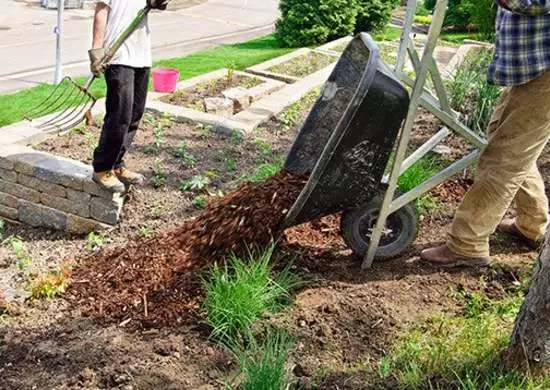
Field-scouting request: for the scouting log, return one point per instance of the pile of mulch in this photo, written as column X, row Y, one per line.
column 156, row 281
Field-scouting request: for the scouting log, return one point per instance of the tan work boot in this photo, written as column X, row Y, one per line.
column 444, row 257
column 509, row 226
column 128, row 177
column 108, row 181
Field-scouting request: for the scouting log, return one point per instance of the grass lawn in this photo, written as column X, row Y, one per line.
column 13, row 106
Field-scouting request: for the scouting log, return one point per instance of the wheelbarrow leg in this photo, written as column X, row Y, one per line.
column 418, row 89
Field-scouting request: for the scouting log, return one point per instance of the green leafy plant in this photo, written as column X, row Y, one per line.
column 157, row 209
column 262, row 361
column 374, row 15
column 200, row 201
column 145, row 231
column 264, row 148
column 427, row 205
column 423, row 19
column 94, row 241
column 2, row 226
column 243, row 290
column 158, row 132
column 159, row 174
column 196, row 183
column 189, row 160
column 205, row 129
column 237, row 137
column 231, row 164
column 307, row 23
column 17, row 248
column 51, row 285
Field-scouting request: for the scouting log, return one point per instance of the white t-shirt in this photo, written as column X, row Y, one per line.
column 136, row 51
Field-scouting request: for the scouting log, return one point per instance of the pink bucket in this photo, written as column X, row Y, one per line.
column 165, row 80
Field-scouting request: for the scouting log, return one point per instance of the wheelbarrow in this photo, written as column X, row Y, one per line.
column 344, row 146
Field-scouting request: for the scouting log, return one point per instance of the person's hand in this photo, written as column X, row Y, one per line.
column 157, row 4
column 96, row 61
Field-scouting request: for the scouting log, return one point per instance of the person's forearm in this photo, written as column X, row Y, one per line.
column 526, row 7
column 100, row 25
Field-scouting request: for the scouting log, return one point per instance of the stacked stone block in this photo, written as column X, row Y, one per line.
column 40, row 189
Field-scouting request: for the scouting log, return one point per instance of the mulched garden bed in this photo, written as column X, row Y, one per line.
column 343, row 319
column 193, row 97
column 304, row 65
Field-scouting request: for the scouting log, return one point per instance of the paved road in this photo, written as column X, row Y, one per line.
column 27, row 42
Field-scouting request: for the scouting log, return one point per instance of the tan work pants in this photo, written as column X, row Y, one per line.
column 507, row 170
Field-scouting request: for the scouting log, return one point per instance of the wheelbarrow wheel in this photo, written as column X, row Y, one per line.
column 401, row 229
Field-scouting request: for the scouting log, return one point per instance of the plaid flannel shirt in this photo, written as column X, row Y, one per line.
column 523, row 42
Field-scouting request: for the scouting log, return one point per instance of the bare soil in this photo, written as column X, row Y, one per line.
column 345, row 318
column 304, row 65
column 193, row 97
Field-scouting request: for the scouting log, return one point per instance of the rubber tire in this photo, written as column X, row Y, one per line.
column 406, row 217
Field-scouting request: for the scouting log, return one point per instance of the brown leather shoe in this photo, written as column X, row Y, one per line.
column 129, row 177
column 444, row 257
column 108, row 181
column 509, row 226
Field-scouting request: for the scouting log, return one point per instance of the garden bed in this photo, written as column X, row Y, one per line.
column 345, row 322
column 295, row 66
column 195, row 97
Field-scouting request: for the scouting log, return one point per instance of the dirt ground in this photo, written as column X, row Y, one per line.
column 344, row 319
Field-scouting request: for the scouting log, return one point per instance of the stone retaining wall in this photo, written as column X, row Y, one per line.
column 41, row 189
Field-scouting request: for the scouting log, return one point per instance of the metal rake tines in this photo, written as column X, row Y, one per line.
column 69, row 102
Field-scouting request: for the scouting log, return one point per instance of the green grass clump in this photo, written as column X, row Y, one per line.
column 262, row 362
column 419, row 172
column 14, row 106
column 460, row 352
column 263, row 172
column 242, row 291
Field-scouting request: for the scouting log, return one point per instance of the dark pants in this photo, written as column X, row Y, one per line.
column 126, row 97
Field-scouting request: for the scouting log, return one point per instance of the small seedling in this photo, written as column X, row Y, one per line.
column 182, row 152
column 262, row 172
column 231, row 67
column 237, row 137
column 157, row 135
column 159, row 174
column 200, row 201
column 145, row 231
column 51, row 285
column 231, row 164
column 94, row 241
column 205, row 129
column 2, row 226
column 427, row 205
column 157, row 209
column 289, row 118
column 17, row 248
column 196, row 183
column 264, row 147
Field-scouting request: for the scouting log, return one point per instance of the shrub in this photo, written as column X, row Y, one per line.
column 314, row 22
column 430, row 4
column 482, row 14
column 374, row 15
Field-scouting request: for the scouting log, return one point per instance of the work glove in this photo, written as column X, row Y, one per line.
column 97, row 65
column 157, row 4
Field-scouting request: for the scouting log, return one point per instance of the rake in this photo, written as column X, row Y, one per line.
column 71, row 103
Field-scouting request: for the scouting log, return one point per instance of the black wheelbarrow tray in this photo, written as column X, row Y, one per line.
column 344, row 146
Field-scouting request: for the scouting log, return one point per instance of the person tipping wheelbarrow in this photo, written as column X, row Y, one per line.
column 518, row 132
column 127, row 78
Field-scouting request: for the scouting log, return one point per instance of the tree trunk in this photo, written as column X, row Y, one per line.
column 530, row 344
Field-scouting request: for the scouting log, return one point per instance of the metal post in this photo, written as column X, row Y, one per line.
column 58, row 51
